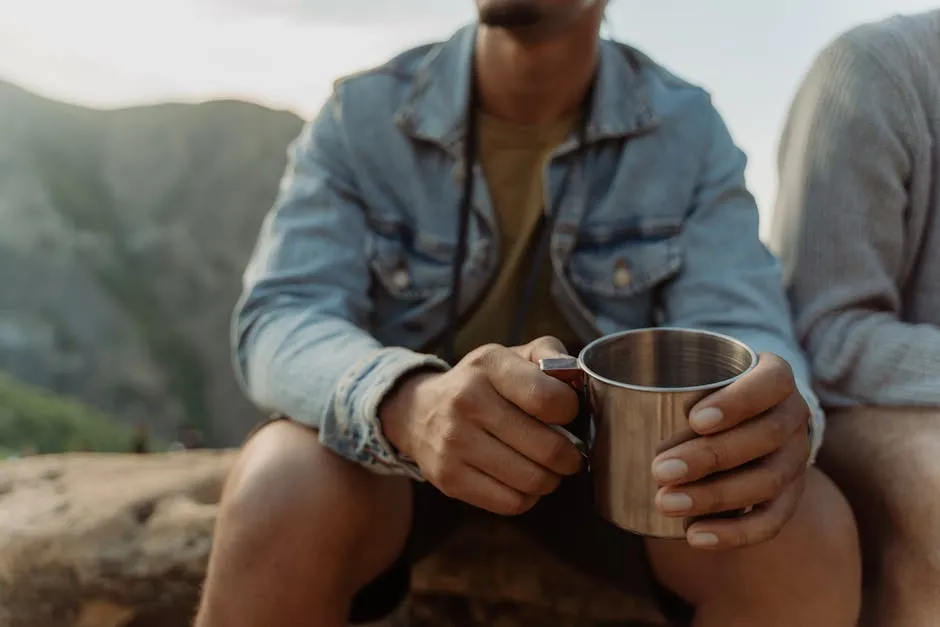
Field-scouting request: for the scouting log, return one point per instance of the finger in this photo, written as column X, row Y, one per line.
column 761, row 525
column 703, row 456
column 523, row 384
column 527, row 436
column 491, row 457
column 471, row 486
column 545, row 347
column 766, row 386
column 746, row 487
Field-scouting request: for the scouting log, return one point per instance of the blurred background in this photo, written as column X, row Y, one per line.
column 141, row 144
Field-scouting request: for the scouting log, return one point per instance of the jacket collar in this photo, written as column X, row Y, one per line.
column 436, row 107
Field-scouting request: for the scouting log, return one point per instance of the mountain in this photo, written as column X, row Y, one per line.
column 123, row 235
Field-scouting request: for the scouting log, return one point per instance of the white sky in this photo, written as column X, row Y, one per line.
column 285, row 53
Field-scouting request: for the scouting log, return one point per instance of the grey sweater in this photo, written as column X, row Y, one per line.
column 857, row 220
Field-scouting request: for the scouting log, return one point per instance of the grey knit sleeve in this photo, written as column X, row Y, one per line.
column 844, row 158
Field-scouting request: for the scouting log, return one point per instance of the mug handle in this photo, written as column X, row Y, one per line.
column 567, row 370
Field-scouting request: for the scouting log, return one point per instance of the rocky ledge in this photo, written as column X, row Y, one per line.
column 123, row 540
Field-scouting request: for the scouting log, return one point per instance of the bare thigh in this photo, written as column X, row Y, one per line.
column 300, row 531
column 808, row 575
column 887, row 462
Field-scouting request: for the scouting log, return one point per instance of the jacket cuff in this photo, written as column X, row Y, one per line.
column 355, row 431
column 817, row 423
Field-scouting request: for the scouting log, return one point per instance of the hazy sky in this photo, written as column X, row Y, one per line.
column 285, row 53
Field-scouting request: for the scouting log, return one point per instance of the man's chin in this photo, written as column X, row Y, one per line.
column 519, row 15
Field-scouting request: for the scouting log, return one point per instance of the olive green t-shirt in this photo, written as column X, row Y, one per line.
column 514, row 160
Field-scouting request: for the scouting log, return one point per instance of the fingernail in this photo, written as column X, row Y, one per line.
column 703, row 540
column 670, row 470
column 706, row 419
column 675, row 503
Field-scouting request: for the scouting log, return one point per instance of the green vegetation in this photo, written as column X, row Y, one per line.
column 78, row 191
column 31, row 417
column 176, row 357
column 73, row 178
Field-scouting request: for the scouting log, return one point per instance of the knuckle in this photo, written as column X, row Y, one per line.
column 774, row 483
column 449, row 440
column 467, row 396
column 772, row 533
column 762, row 526
column 549, row 484
column 502, row 420
column 463, row 401
column 482, row 356
column 715, row 500
column 802, row 417
column 777, row 429
column 741, row 535
column 769, row 531
column 782, row 375
column 529, row 482
column 796, row 462
column 714, row 455
column 539, row 482
column 558, row 454
column 548, row 343
column 516, row 504
column 805, row 444
column 540, row 398
column 445, row 478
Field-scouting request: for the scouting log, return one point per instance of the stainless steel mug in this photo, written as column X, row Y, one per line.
column 640, row 386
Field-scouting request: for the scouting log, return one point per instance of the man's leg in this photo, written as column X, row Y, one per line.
column 300, row 531
column 887, row 461
column 809, row 576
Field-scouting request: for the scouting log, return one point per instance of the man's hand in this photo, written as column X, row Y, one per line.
column 479, row 432
column 753, row 453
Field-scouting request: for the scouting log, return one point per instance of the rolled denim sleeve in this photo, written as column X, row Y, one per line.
column 730, row 282
column 301, row 335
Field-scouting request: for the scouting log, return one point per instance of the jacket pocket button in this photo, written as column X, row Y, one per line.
column 401, row 279
column 622, row 276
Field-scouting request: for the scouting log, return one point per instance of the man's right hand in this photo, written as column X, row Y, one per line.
column 479, row 431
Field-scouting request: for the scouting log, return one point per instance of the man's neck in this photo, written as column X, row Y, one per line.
column 536, row 81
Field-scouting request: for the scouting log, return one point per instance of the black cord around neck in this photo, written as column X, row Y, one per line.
column 542, row 232
column 466, row 208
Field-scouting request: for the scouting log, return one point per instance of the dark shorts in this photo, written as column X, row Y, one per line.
column 564, row 523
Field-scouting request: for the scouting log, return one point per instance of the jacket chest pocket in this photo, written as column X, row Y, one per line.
column 409, row 268
column 616, row 270
column 412, row 277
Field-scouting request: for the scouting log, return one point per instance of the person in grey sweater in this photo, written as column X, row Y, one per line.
column 857, row 224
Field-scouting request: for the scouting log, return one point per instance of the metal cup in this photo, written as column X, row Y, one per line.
column 640, row 386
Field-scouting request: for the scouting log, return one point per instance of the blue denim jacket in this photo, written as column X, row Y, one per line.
column 351, row 275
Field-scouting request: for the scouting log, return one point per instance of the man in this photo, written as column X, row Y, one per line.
column 405, row 226
column 858, row 225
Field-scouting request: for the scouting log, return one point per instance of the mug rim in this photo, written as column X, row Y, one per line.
column 606, row 339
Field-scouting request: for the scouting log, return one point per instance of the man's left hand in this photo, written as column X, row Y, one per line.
column 752, row 453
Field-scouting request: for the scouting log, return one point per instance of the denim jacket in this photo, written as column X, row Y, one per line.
column 351, row 275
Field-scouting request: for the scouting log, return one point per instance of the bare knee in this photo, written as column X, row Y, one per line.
column 886, row 461
column 292, row 511
column 812, row 568
column 825, row 530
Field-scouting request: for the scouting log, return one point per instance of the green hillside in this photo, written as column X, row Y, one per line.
column 123, row 237
column 31, row 417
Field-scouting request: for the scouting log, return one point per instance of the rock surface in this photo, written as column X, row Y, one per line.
column 122, row 541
